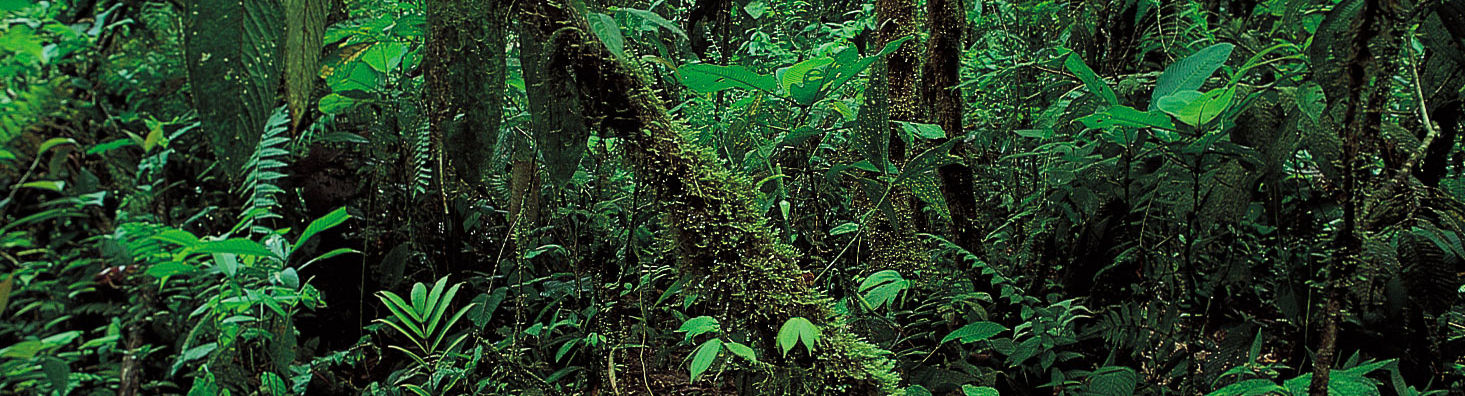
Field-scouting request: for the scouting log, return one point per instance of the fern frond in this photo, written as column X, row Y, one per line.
column 421, row 140
column 262, row 172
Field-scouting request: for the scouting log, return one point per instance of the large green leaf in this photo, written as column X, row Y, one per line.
column 971, row 390
column 1251, row 387
column 805, row 80
column 973, row 332
column 1190, row 73
column 558, row 122
column 1090, row 79
column 234, row 61
column 1195, row 108
column 705, row 78
column 1128, row 117
column 330, row 220
column 609, row 32
column 305, row 24
column 703, row 357
column 881, row 288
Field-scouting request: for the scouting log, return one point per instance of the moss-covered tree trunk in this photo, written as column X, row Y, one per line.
column 891, row 96
column 464, row 64
column 747, row 280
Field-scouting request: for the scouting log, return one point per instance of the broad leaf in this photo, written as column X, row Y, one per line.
column 1090, row 79
column 698, row 326
column 742, row 351
column 973, row 332
column 804, row 81
column 234, row 61
column 881, row 288
column 704, row 355
column 330, row 220
column 705, row 78
column 1190, row 73
column 305, row 26
column 1194, row 108
column 970, row 390
column 1128, row 117
column 605, row 27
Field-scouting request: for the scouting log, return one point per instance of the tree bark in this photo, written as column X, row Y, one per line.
column 941, row 74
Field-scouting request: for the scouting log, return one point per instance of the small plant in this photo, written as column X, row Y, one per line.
column 707, row 352
column 421, row 320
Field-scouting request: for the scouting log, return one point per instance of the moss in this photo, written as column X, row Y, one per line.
column 750, row 281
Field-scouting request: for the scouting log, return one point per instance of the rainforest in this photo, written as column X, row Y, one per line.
column 732, row 197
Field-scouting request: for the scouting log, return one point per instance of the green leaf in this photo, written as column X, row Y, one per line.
column 335, row 104
column 1190, row 73
column 742, row 351
column 796, row 330
column 1128, row 117
column 335, row 218
column 704, row 355
column 234, row 61
column 167, row 269
column 970, row 390
column 881, row 288
column 924, row 131
column 1251, row 387
column 384, row 57
column 926, row 161
column 804, row 81
column 1194, row 108
column 973, row 332
column 1311, row 100
column 305, row 27
column 419, row 300
column 698, row 326
column 756, row 8
column 238, row 246
column 1090, row 79
column 849, row 66
column 705, row 78
column 58, row 373
column 273, row 383
column 656, row 20
column 48, row 185
column 1112, row 381
column 609, row 32
column 845, row 228
column 15, row 5
column 204, row 385
column 53, row 143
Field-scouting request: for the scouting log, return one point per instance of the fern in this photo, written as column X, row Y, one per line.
column 261, row 172
column 421, row 140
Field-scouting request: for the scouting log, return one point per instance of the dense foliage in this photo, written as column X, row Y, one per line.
column 919, row 197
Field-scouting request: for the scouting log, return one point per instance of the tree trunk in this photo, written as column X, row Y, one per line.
column 941, row 74
column 749, row 281
column 1362, row 122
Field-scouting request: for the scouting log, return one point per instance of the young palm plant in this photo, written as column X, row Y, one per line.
column 421, row 320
